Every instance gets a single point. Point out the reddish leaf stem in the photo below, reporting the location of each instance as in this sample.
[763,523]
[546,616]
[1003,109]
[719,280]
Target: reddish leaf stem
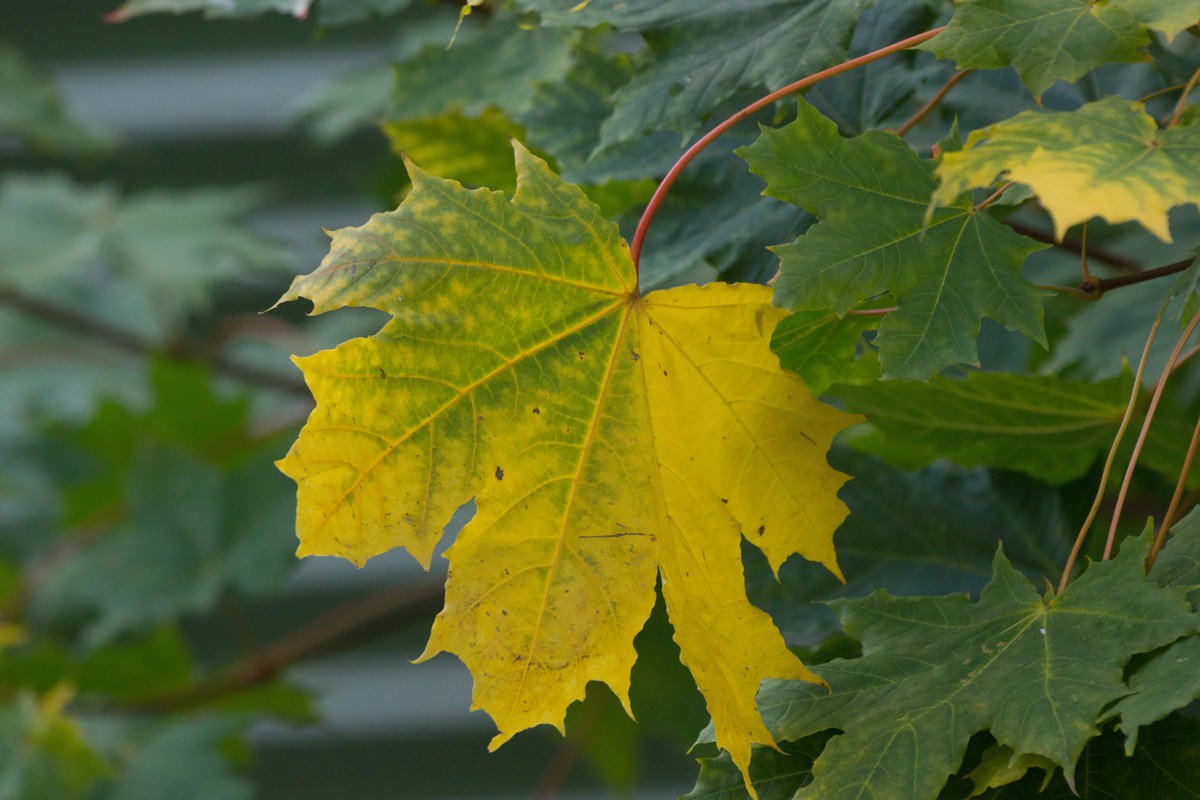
[1112,455]
[639,236]
[870,312]
[1181,106]
[994,196]
[1141,440]
[1169,518]
[925,110]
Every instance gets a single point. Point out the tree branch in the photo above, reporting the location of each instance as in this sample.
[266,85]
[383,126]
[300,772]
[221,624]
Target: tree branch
[1094,253]
[130,342]
[401,603]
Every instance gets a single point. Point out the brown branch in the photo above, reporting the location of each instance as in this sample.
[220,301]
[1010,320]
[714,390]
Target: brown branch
[399,603]
[1094,253]
[1105,284]
[127,341]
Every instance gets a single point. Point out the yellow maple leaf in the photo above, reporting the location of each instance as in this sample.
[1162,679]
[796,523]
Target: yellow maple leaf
[606,437]
[1108,159]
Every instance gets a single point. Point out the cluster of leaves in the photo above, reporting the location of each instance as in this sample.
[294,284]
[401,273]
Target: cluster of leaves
[624,434]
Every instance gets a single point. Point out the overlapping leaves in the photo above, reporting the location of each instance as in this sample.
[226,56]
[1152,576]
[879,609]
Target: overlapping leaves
[871,194]
[1037,672]
[522,368]
[1108,159]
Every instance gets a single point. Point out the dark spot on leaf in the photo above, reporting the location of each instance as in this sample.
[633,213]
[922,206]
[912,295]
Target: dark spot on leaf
[581,355]
[382,373]
[499,474]
[537,410]
[724,499]
[762,529]
[664,372]
[634,353]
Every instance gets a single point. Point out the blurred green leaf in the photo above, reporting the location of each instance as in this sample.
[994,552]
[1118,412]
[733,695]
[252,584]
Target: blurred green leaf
[173,246]
[183,760]
[43,755]
[32,110]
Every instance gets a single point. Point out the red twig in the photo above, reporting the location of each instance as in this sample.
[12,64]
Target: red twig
[1112,455]
[1141,440]
[639,236]
[1173,508]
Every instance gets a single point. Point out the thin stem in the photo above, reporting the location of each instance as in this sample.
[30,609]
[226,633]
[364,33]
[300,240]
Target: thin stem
[101,331]
[1112,454]
[995,196]
[408,601]
[660,194]
[1169,518]
[925,110]
[1141,440]
[1160,92]
[1076,292]
[870,312]
[1181,105]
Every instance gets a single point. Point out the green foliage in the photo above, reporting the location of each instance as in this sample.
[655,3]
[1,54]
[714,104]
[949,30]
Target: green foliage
[923,233]
[1045,40]
[1040,425]
[944,274]
[1036,672]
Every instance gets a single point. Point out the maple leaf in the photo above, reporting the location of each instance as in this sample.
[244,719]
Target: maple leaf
[1044,426]
[1169,16]
[944,276]
[1045,40]
[1108,159]
[1035,672]
[605,437]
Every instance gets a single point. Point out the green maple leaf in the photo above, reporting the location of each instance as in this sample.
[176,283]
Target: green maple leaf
[1107,159]
[823,348]
[1168,16]
[497,65]
[1170,679]
[871,194]
[1046,40]
[701,54]
[1035,671]
[1043,426]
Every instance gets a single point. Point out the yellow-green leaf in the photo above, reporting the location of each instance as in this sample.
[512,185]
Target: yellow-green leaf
[607,438]
[1108,159]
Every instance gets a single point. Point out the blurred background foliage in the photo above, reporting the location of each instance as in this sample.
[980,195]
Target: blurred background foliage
[162,176]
